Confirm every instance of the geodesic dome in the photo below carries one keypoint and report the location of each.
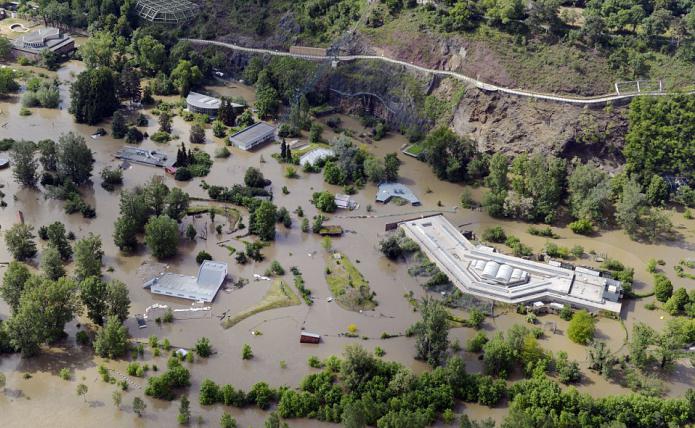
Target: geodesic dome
(167, 11)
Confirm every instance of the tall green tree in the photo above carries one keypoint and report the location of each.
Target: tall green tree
(52, 264)
(74, 158)
(185, 76)
(24, 163)
(88, 255)
(431, 332)
(20, 241)
(93, 95)
(112, 340)
(13, 283)
(263, 221)
(162, 236)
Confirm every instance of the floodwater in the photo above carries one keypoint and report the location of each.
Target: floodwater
(45, 398)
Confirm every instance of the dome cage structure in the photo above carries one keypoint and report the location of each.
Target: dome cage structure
(167, 11)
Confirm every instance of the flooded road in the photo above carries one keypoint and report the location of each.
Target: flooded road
(46, 399)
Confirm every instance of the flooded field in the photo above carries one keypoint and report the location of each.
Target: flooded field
(45, 398)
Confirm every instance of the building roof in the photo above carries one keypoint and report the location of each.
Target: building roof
(167, 11)
(507, 278)
(312, 156)
(147, 157)
(251, 135)
(202, 101)
(389, 190)
(204, 287)
(43, 38)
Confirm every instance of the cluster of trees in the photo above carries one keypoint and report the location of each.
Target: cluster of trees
(452, 157)
(192, 163)
(41, 94)
(42, 303)
(155, 210)
(354, 165)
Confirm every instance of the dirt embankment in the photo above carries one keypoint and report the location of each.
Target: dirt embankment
(499, 122)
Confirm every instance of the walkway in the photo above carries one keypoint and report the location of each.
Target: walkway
(571, 99)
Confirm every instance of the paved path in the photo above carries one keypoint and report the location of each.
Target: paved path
(572, 99)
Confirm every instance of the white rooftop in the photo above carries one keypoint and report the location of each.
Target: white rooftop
(506, 278)
(203, 288)
(312, 156)
(202, 101)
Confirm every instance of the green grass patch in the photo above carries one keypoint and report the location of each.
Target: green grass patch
(414, 149)
(279, 295)
(348, 286)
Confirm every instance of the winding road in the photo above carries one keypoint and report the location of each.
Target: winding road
(571, 99)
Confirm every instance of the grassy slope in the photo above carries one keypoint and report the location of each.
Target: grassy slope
(345, 281)
(279, 295)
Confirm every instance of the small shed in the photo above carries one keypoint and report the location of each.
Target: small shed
(306, 337)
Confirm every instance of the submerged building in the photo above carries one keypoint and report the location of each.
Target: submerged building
(32, 44)
(203, 104)
(482, 272)
(201, 288)
(252, 136)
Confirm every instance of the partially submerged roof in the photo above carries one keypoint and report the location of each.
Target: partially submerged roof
(507, 278)
(252, 135)
(312, 156)
(202, 101)
(203, 288)
(147, 157)
(390, 190)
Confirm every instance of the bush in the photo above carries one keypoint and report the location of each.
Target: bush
(581, 227)
(222, 152)
(494, 234)
(662, 287)
(582, 327)
(314, 362)
(203, 347)
(183, 174)
(246, 352)
(202, 256)
(476, 343)
(160, 137)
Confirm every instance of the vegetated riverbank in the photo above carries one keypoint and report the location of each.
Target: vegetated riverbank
(45, 396)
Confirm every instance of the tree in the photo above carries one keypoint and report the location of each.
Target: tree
(498, 183)
(391, 166)
(165, 122)
(197, 134)
(581, 327)
(98, 50)
(125, 233)
(75, 159)
(246, 352)
(112, 340)
(13, 283)
(119, 128)
(218, 128)
(117, 398)
(227, 421)
(139, 406)
(58, 239)
(226, 112)
(93, 95)
(642, 338)
(263, 223)
(267, 99)
(589, 194)
(7, 82)
(498, 356)
(191, 232)
(117, 300)
(324, 201)
(155, 194)
(19, 240)
(51, 263)
(93, 296)
(184, 415)
(354, 415)
(151, 54)
(82, 391)
(431, 332)
(203, 347)
(88, 255)
(5, 47)
(253, 177)
(176, 203)
(24, 165)
(162, 236)
(663, 289)
(48, 155)
(185, 75)
(657, 191)
(374, 169)
(129, 85)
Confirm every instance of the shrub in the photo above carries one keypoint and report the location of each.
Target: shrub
(581, 227)
(183, 174)
(202, 256)
(160, 137)
(222, 152)
(314, 362)
(494, 234)
(246, 352)
(203, 347)
(581, 328)
(476, 343)
(662, 287)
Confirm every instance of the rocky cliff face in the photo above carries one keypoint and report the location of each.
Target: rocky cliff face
(500, 122)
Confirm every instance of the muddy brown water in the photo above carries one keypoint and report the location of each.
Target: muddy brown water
(45, 398)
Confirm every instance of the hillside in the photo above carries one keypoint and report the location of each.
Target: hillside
(542, 46)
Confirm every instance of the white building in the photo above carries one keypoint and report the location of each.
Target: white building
(254, 135)
(202, 288)
(478, 271)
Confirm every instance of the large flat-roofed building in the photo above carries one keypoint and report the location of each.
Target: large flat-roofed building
(256, 134)
(482, 272)
(202, 288)
(31, 45)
